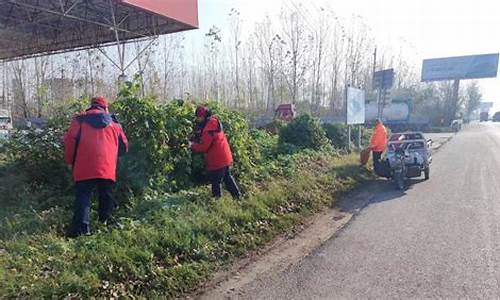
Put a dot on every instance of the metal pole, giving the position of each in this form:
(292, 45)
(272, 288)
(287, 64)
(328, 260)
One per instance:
(349, 138)
(374, 66)
(456, 89)
(359, 137)
(379, 103)
(346, 119)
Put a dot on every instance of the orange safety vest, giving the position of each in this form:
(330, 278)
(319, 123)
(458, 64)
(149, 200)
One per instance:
(378, 142)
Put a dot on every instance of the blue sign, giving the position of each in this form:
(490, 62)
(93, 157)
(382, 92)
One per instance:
(460, 67)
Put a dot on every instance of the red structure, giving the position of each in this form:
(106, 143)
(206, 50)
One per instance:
(37, 27)
(285, 112)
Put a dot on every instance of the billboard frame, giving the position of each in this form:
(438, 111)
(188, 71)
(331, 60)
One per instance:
(460, 67)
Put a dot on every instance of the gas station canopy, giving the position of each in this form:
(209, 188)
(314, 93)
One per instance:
(36, 27)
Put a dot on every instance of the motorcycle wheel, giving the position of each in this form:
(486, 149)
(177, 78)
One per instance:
(427, 172)
(400, 181)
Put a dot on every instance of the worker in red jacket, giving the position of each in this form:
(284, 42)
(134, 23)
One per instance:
(92, 145)
(218, 157)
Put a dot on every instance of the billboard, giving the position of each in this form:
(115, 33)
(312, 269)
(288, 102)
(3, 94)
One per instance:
(355, 106)
(460, 67)
(485, 106)
(383, 79)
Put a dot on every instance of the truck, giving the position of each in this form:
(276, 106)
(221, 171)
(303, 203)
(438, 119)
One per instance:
(483, 116)
(397, 115)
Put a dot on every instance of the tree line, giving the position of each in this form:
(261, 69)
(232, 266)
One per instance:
(306, 56)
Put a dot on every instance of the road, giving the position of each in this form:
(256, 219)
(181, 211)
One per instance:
(440, 238)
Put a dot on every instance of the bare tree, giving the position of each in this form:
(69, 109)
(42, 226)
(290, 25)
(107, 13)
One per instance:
(20, 89)
(296, 50)
(358, 51)
(267, 53)
(171, 53)
(213, 41)
(41, 89)
(235, 23)
(320, 39)
(336, 46)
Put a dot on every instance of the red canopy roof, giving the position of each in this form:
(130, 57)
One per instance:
(34, 27)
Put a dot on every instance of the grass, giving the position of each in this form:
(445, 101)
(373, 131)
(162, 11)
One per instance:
(163, 244)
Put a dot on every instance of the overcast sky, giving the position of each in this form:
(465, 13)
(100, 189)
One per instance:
(428, 28)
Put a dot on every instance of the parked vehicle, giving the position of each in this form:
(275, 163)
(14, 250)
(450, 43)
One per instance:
(408, 156)
(496, 117)
(5, 124)
(483, 116)
(456, 125)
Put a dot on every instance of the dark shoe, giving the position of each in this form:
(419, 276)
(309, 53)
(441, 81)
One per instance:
(73, 233)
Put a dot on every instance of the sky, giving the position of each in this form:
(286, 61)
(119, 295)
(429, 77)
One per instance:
(427, 28)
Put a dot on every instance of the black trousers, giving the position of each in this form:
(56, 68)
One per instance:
(83, 192)
(376, 157)
(223, 175)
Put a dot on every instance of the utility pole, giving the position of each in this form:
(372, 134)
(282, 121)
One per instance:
(374, 64)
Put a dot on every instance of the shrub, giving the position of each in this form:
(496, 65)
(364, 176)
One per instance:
(158, 135)
(40, 153)
(274, 127)
(304, 132)
(337, 135)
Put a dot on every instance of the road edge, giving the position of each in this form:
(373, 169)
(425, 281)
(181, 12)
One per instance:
(286, 250)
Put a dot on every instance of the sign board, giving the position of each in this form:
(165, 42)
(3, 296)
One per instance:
(355, 106)
(485, 106)
(383, 79)
(460, 67)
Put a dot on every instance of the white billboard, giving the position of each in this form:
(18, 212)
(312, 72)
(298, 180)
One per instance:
(485, 106)
(355, 106)
(460, 67)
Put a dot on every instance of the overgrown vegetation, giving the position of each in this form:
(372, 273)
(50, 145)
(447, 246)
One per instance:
(170, 236)
(304, 132)
(337, 135)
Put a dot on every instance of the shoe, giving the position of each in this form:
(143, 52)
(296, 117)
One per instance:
(72, 233)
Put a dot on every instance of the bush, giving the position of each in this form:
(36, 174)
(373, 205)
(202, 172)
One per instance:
(263, 145)
(304, 132)
(337, 135)
(158, 136)
(274, 127)
(159, 156)
(40, 153)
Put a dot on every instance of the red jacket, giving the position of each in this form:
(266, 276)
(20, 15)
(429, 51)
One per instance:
(92, 143)
(215, 146)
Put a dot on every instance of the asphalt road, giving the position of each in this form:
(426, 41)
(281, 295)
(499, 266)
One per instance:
(440, 238)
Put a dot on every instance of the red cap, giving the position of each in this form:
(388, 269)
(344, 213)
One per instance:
(100, 101)
(201, 111)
